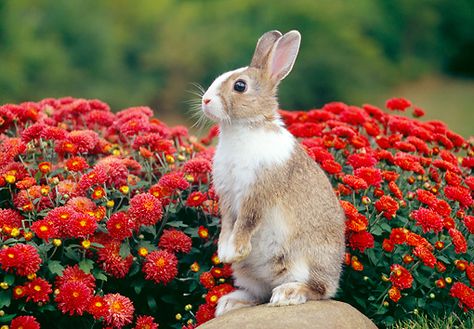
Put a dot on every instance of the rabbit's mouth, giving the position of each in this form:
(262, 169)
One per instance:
(208, 113)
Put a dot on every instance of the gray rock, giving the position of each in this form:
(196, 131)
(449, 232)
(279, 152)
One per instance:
(326, 314)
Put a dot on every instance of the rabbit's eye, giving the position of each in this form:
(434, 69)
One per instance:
(240, 86)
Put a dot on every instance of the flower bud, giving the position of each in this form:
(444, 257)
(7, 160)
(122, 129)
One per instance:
(178, 316)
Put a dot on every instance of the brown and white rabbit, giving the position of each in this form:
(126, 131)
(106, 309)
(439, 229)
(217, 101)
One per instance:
(282, 225)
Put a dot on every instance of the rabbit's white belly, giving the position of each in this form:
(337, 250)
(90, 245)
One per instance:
(242, 153)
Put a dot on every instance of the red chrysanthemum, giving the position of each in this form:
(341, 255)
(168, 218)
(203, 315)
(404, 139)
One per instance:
(393, 187)
(205, 313)
(469, 223)
(354, 182)
(331, 167)
(415, 240)
(9, 219)
(75, 274)
(160, 266)
(373, 176)
(81, 225)
(399, 104)
(175, 241)
(357, 223)
(22, 258)
(121, 310)
(388, 245)
(398, 235)
(394, 294)
(24, 322)
(358, 160)
(425, 255)
(76, 164)
(119, 226)
(38, 290)
(98, 307)
(428, 220)
(111, 261)
(207, 280)
(145, 322)
(465, 294)
(460, 194)
(44, 229)
(387, 205)
(196, 199)
(459, 241)
(400, 277)
(361, 240)
(73, 298)
(217, 292)
(145, 209)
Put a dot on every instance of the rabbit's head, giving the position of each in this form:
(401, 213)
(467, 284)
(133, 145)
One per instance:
(248, 94)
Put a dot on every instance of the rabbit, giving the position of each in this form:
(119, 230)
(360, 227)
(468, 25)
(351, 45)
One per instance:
(282, 224)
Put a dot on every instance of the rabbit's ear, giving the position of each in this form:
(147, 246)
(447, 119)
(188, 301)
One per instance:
(283, 55)
(264, 45)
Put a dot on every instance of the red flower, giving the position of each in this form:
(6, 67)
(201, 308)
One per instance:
(399, 104)
(400, 277)
(358, 160)
(73, 298)
(160, 266)
(205, 313)
(469, 223)
(119, 226)
(425, 255)
(145, 322)
(387, 205)
(357, 223)
(38, 290)
(464, 294)
(418, 112)
(398, 235)
(81, 225)
(426, 197)
(75, 274)
(24, 322)
(44, 229)
(10, 219)
(199, 168)
(98, 307)
(145, 209)
(306, 129)
(394, 294)
(196, 199)
(459, 241)
(111, 261)
(23, 258)
(395, 190)
(121, 310)
(372, 176)
(388, 245)
(460, 194)
(428, 220)
(355, 182)
(76, 164)
(361, 240)
(416, 240)
(408, 162)
(175, 241)
(207, 280)
(217, 292)
(331, 167)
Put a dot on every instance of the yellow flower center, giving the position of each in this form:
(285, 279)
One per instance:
(43, 228)
(116, 306)
(160, 262)
(75, 294)
(37, 288)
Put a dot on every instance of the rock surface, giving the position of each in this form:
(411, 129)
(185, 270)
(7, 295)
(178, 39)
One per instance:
(327, 314)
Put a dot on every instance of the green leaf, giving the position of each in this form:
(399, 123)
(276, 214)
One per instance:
(97, 245)
(149, 229)
(124, 249)
(7, 318)
(177, 223)
(72, 253)
(376, 230)
(9, 278)
(55, 267)
(138, 286)
(170, 299)
(5, 298)
(151, 302)
(99, 275)
(86, 265)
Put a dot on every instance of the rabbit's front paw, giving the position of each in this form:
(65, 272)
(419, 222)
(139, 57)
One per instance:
(233, 250)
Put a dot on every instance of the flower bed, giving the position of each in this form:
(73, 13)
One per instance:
(110, 221)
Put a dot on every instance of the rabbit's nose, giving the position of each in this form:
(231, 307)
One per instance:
(206, 101)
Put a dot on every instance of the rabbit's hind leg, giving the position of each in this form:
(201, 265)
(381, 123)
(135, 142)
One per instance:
(234, 300)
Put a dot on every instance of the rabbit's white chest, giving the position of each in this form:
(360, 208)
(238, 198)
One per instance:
(242, 153)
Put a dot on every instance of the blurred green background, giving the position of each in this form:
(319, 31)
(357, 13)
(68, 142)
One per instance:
(149, 51)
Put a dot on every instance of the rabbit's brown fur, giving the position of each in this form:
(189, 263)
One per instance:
(282, 225)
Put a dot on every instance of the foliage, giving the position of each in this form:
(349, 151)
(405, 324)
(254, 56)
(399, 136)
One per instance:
(146, 52)
(106, 218)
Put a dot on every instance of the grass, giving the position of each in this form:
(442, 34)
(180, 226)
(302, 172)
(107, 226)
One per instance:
(452, 321)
